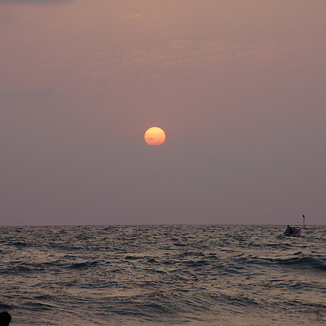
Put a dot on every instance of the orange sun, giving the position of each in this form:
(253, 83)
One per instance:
(154, 136)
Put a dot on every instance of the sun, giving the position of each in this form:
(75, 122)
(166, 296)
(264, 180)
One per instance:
(154, 136)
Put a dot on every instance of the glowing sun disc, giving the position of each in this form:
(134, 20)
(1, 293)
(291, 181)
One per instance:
(154, 136)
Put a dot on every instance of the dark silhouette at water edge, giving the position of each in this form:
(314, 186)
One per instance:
(5, 318)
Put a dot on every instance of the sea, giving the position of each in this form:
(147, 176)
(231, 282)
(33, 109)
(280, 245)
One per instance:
(194, 275)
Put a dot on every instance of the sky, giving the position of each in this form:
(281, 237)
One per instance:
(239, 87)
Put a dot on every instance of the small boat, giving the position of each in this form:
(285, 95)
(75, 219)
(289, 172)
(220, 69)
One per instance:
(292, 232)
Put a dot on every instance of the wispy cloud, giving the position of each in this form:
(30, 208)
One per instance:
(31, 93)
(135, 16)
(33, 2)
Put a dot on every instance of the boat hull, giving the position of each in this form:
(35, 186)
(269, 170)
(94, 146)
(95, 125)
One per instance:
(296, 233)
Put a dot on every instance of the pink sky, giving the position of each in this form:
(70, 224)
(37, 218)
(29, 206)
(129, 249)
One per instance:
(238, 86)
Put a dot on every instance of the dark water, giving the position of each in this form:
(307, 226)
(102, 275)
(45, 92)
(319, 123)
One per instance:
(162, 275)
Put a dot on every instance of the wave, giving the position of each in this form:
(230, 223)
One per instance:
(304, 263)
(83, 265)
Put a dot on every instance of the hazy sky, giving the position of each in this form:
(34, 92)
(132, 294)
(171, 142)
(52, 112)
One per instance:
(239, 86)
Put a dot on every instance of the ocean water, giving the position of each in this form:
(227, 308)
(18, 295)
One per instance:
(162, 275)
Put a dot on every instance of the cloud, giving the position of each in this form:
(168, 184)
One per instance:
(32, 93)
(4, 18)
(33, 2)
(135, 16)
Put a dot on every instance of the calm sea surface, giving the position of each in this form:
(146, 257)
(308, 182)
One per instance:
(162, 275)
